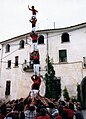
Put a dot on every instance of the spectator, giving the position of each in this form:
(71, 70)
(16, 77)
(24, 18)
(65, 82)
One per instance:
(1, 116)
(62, 112)
(78, 114)
(70, 113)
(30, 112)
(43, 114)
(58, 116)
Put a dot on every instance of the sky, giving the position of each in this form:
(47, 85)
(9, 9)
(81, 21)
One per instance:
(15, 15)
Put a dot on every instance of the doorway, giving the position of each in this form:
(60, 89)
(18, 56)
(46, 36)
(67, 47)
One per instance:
(83, 92)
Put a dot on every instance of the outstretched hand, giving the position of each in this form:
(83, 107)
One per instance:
(41, 76)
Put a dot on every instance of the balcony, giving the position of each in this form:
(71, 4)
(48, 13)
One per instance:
(27, 67)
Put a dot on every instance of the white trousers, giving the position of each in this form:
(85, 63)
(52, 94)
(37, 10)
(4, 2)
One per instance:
(34, 46)
(36, 69)
(34, 29)
(34, 93)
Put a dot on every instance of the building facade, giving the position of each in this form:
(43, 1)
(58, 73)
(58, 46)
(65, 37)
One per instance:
(66, 48)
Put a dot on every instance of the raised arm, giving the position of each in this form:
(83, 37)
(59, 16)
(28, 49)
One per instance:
(29, 8)
(32, 77)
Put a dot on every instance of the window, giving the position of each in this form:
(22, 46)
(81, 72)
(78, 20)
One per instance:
(62, 56)
(7, 92)
(41, 39)
(21, 44)
(7, 48)
(16, 61)
(9, 64)
(84, 62)
(65, 37)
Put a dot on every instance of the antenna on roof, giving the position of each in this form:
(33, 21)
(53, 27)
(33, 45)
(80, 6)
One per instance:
(54, 24)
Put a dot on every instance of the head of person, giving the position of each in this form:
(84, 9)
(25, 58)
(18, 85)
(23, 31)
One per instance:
(32, 7)
(79, 108)
(71, 106)
(36, 77)
(33, 18)
(60, 108)
(31, 107)
(43, 111)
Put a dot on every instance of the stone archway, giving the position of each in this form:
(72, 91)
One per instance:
(83, 92)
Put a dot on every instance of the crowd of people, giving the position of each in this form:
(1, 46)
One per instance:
(40, 108)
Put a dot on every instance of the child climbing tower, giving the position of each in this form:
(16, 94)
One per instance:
(34, 56)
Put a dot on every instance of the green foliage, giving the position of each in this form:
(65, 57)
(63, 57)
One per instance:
(53, 86)
(74, 99)
(66, 94)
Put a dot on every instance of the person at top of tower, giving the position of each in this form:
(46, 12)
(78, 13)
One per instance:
(34, 11)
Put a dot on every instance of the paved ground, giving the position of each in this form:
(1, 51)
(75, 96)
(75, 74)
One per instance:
(84, 113)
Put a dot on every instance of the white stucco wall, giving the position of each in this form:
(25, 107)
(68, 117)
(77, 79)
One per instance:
(20, 80)
(75, 47)
(71, 72)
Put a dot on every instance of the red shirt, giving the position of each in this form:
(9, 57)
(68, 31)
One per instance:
(34, 55)
(58, 117)
(38, 81)
(33, 11)
(34, 36)
(1, 117)
(70, 113)
(43, 117)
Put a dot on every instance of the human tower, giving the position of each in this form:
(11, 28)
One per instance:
(34, 56)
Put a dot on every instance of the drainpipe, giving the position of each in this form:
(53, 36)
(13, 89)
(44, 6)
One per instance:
(47, 52)
(81, 86)
(1, 66)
